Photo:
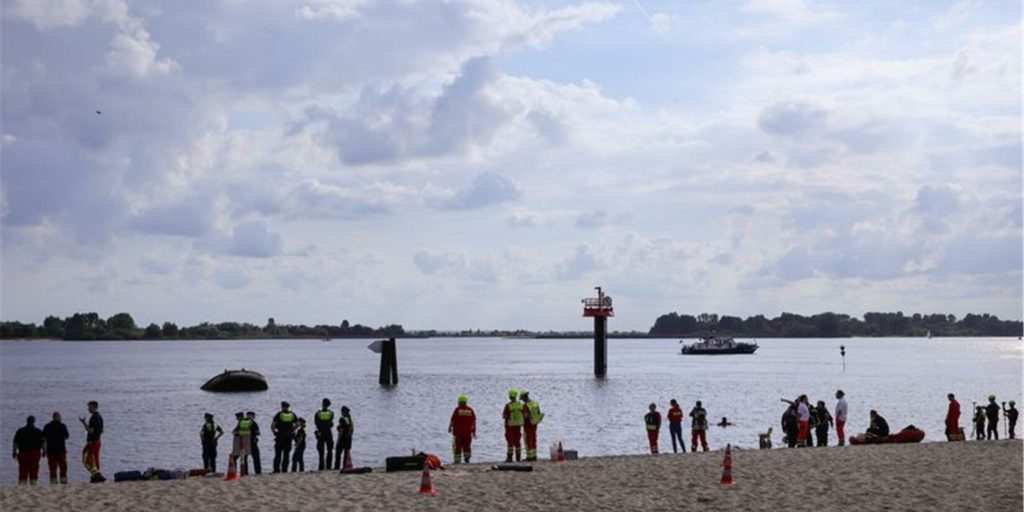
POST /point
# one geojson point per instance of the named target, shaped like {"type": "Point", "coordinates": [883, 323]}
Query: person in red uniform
{"type": "Point", "coordinates": [532, 416]}
{"type": "Point", "coordinates": [513, 416]}
{"type": "Point", "coordinates": [463, 429]}
{"type": "Point", "coordinates": [952, 417]}
{"type": "Point", "coordinates": [28, 446]}
{"type": "Point", "coordinates": [652, 420]}
{"type": "Point", "coordinates": [55, 435]}
{"type": "Point", "coordinates": [675, 425]}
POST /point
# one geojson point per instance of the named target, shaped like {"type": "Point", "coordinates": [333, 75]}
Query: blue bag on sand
{"type": "Point", "coordinates": [127, 476]}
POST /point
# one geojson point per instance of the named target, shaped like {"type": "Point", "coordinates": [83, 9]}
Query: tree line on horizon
{"type": "Point", "coordinates": [90, 326]}
{"type": "Point", "coordinates": [835, 325]}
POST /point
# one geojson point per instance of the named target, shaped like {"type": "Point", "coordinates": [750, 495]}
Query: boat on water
{"type": "Point", "coordinates": [714, 345]}
{"type": "Point", "coordinates": [236, 381]}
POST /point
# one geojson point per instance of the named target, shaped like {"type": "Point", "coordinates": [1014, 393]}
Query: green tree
{"type": "Point", "coordinates": [152, 332]}
{"type": "Point", "coordinates": [170, 330]}
{"type": "Point", "coordinates": [121, 322]}
{"type": "Point", "coordinates": [53, 327]}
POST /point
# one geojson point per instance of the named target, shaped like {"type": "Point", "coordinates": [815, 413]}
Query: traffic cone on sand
{"type": "Point", "coordinates": [561, 453]}
{"type": "Point", "coordinates": [727, 466]}
{"type": "Point", "coordinates": [232, 470]}
{"type": "Point", "coordinates": [426, 486]}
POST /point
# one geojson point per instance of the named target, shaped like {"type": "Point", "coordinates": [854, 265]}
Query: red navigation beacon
{"type": "Point", "coordinates": [598, 306]}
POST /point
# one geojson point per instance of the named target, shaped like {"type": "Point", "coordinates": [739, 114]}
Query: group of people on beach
{"type": "Point", "coordinates": [698, 426]}
{"type": "Point", "coordinates": [521, 417]}
{"type": "Point", "coordinates": [987, 414]}
{"type": "Point", "coordinates": [32, 444]}
{"type": "Point", "coordinates": [289, 432]}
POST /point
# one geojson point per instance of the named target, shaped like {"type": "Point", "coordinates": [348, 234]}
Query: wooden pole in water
{"type": "Point", "coordinates": [388, 363]}
{"type": "Point", "coordinates": [600, 346]}
{"type": "Point", "coordinates": [394, 361]}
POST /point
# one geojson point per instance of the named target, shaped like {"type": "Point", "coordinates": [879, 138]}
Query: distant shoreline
{"type": "Point", "coordinates": [546, 336]}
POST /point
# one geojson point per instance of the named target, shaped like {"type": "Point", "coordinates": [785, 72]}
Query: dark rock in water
{"type": "Point", "coordinates": [236, 380]}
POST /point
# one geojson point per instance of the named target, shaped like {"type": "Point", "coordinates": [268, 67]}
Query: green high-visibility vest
{"type": "Point", "coordinates": [515, 414]}
{"type": "Point", "coordinates": [287, 417]}
{"type": "Point", "coordinates": [325, 415]}
{"type": "Point", "coordinates": [535, 415]}
{"type": "Point", "coordinates": [244, 427]}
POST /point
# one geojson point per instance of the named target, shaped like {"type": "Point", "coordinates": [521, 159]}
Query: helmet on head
{"type": "Point", "coordinates": [524, 393]}
{"type": "Point", "coordinates": [463, 399]}
{"type": "Point", "coordinates": [512, 393]}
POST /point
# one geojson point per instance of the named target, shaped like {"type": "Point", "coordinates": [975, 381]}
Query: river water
{"type": "Point", "coordinates": [153, 408]}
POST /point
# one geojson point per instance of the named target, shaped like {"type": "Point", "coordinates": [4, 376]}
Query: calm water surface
{"type": "Point", "coordinates": [150, 398]}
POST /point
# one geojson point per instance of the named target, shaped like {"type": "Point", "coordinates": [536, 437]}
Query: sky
{"type": "Point", "coordinates": [476, 164]}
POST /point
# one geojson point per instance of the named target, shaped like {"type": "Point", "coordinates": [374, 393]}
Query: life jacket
{"type": "Point", "coordinates": [535, 415]}
{"type": "Point", "coordinates": [245, 427]}
{"type": "Point", "coordinates": [209, 431]}
{"type": "Point", "coordinates": [515, 414]}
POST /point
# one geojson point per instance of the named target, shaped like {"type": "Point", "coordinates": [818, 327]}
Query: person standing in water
{"type": "Point", "coordinates": [55, 436]}
{"type": "Point", "coordinates": [652, 421]}
{"type": "Point", "coordinates": [675, 425]}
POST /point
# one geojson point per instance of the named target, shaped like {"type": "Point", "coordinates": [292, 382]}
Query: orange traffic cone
{"type": "Point", "coordinates": [561, 453]}
{"type": "Point", "coordinates": [727, 466]}
{"type": "Point", "coordinates": [232, 470]}
{"type": "Point", "coordinates": [426, 486]}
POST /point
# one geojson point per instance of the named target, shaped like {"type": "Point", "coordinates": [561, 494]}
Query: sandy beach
{"type": "Point", "coordinates": [929, 476]}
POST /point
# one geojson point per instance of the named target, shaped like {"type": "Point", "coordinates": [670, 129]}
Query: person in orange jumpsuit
{"type": "Point", "coordinates": [463, 428]}
{"type": "Point", "coordinates": [514, 417]}
{"type": "Point", "coordinates": [532, 416]}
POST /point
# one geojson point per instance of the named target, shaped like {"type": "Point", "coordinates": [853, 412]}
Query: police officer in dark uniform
{"type": "Point", "coordinates": [346, 428]}
{"type": "Point", "coordinates": [283, 427]}
{"type": "Point", "coordinates": [324, 420]}
{"type": "Point", "coordinates": [209, 434]}
{"type": "Point", "coordinates": [254, 444]}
